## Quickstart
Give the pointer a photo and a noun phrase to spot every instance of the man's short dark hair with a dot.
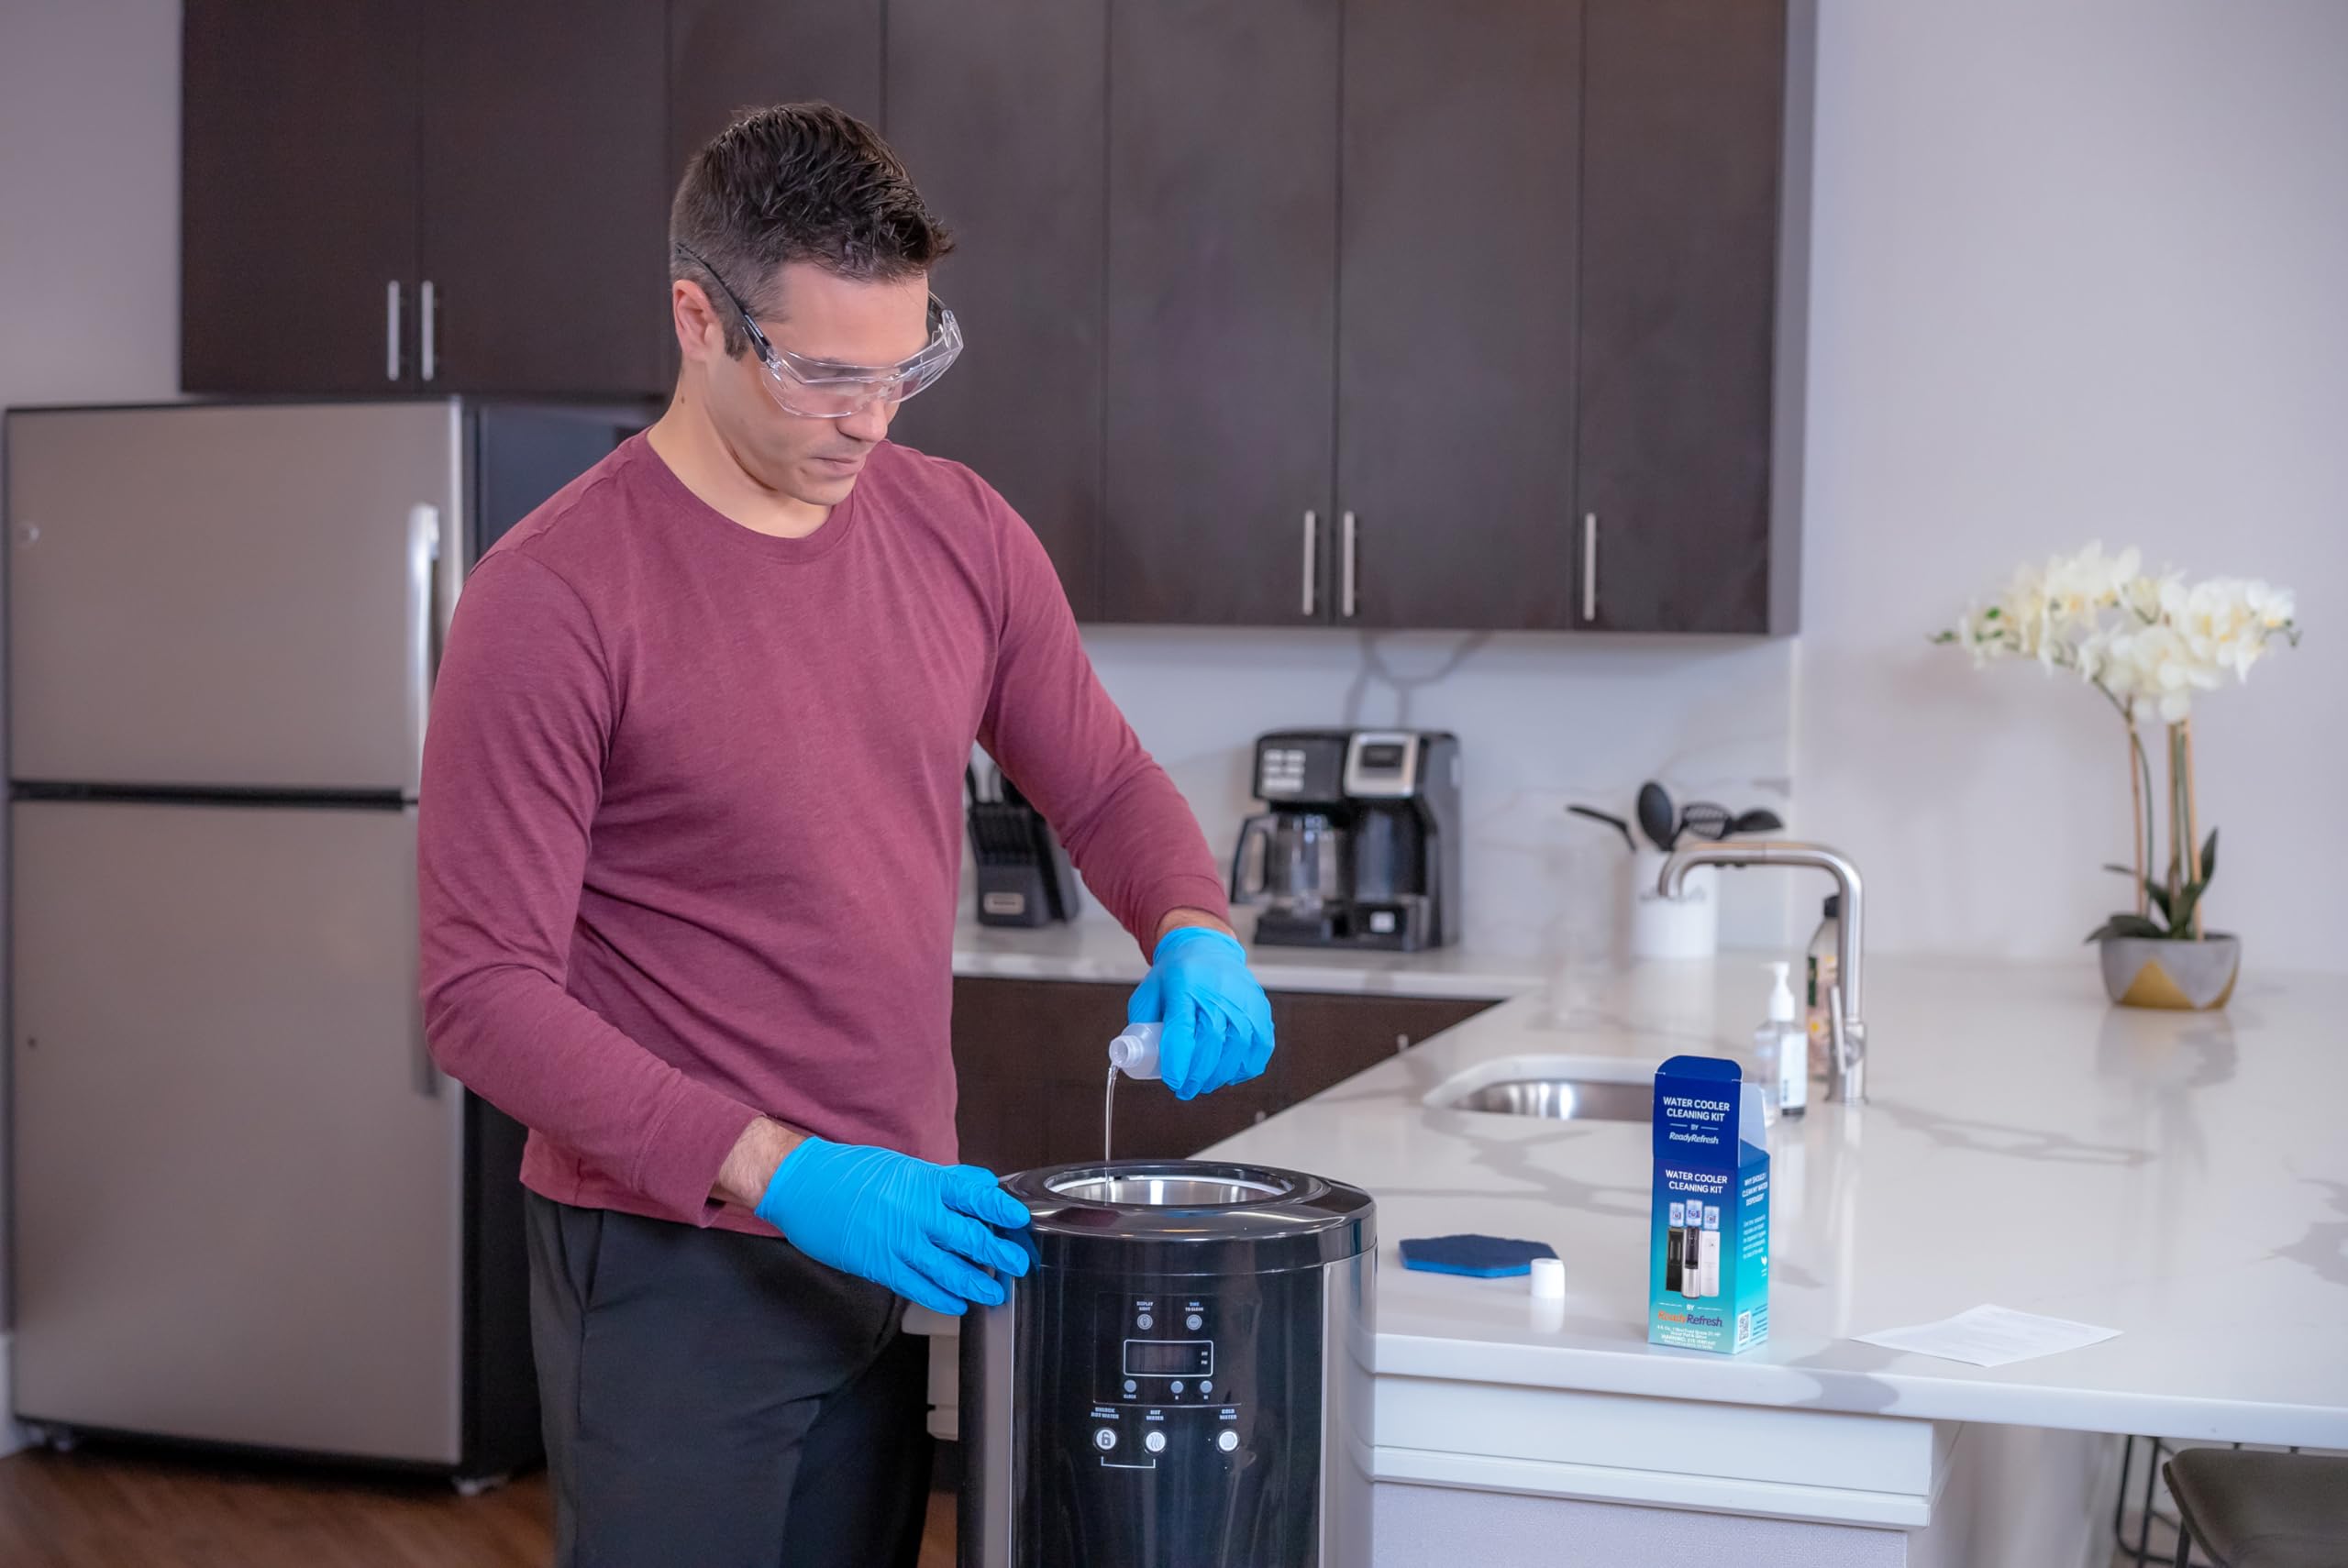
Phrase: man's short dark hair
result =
(797, 182)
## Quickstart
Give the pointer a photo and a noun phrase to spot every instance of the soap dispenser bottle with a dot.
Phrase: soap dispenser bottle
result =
(1781, 1045)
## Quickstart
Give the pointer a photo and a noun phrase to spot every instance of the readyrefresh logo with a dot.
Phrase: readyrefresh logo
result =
(1696, 1121)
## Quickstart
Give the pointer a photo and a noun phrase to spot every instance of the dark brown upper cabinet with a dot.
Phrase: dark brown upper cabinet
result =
(998, 110)
(422, 195)
(298, 189)
(1694, 219)
(1486, 314)
(1336, 313)
(726, 56)
(1455, 350)
(542, 224)
(1222, 311)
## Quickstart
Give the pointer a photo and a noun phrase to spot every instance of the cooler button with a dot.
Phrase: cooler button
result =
(1194, 1323)
(1154, 1442)
(1177, 1385)
(1144, 1322)
(1131, 1386)
(1226, 1439)
(1206, 1385)
(1105, 1439)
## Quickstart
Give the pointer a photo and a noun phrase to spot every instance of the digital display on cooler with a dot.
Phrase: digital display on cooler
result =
(1170, 1358)
(1386, 757)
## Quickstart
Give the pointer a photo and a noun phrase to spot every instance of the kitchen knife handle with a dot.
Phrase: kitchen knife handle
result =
(392, 330)
(1311, 542)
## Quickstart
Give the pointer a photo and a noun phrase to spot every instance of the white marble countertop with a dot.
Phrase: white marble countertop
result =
(2181, 1178)
(1097, 948)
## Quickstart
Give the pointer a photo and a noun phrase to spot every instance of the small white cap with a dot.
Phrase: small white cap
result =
(1549, 1279)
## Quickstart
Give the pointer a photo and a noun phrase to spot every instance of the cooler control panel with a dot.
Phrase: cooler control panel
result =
(1160, 1382)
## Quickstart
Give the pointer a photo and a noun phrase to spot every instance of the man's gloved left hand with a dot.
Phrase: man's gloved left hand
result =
(1218, 1020)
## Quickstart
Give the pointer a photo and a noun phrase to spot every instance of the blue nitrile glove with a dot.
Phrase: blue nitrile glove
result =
(1218, 1020)
(895, 1220)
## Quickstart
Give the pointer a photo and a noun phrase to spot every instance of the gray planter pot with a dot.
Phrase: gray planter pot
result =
(2144, 971)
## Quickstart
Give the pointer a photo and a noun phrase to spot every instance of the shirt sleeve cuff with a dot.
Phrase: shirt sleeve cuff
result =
(687, 1147)
(1205, 894)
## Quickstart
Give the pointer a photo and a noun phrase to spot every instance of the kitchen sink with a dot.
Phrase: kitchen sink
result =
(1558, 1088)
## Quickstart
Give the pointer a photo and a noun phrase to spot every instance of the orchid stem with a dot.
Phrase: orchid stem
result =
(2137, 785)
(2194, 874)
(2140, 796)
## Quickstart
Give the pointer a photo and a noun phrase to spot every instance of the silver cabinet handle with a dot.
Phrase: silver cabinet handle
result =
(1590, 566)
(392, 330)
(429, 359)
(1345, 585)
(1311, 541)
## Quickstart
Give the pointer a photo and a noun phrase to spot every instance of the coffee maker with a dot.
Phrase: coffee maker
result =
(1361, 845)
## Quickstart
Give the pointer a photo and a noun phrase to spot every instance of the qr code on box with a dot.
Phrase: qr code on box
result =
(1743, 1329)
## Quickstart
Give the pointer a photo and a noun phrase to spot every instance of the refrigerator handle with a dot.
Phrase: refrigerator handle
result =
(428, 1071)
(424, 612)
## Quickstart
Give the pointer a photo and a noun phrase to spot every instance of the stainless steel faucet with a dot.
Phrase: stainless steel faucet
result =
(1848, 1030)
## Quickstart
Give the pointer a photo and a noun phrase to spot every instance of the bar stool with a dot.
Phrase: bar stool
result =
(2248, 1509)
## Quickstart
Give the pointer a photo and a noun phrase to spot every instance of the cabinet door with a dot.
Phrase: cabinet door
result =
(1029, 1057)
(1682, 131)
(298, 179)
(725, 55)
(544, 209)
(1223, 273)
(1456, 362)
(997, 109)
(1032, 1061)
(1325, 1040)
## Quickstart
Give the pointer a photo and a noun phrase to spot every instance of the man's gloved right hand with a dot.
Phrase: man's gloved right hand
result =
(899, 1221)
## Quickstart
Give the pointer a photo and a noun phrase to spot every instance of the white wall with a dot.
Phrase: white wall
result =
(2081, 270)
(89, 200)
(89, 227)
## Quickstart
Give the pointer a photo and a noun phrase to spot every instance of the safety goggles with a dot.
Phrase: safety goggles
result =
(825, 389)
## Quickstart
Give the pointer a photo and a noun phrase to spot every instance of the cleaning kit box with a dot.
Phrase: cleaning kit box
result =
(1707, 1259)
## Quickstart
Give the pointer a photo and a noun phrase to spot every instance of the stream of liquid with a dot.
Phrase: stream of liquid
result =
(1108, 1115)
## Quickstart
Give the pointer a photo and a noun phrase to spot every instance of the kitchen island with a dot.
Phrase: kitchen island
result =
(2180, 1177)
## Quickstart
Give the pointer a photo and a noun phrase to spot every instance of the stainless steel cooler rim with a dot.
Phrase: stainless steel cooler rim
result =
(1169, 1184)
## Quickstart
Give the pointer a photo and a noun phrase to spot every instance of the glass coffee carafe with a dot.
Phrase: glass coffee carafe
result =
(1291, 861)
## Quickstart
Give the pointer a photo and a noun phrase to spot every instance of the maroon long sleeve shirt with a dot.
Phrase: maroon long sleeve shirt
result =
(691, 824)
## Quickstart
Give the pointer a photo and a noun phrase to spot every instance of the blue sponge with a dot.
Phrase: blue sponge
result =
(1481, 1257)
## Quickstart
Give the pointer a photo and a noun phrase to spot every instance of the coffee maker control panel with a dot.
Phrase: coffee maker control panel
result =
(1299, 768)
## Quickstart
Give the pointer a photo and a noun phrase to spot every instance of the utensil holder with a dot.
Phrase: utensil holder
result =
(1656, 927)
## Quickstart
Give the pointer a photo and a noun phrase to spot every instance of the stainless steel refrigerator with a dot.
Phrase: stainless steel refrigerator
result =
(248, 1209)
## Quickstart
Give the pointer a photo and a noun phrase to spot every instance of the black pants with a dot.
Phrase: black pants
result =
(715, 1400)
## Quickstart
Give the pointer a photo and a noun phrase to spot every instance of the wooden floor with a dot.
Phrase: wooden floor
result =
(100, 1509)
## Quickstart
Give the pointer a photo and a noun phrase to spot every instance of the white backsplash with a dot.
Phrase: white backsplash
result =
(1543, 720)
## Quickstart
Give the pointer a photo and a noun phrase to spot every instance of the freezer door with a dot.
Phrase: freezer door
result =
(239, 1194)
(228, 595)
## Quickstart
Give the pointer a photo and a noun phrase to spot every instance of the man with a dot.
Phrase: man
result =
(689, 851)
